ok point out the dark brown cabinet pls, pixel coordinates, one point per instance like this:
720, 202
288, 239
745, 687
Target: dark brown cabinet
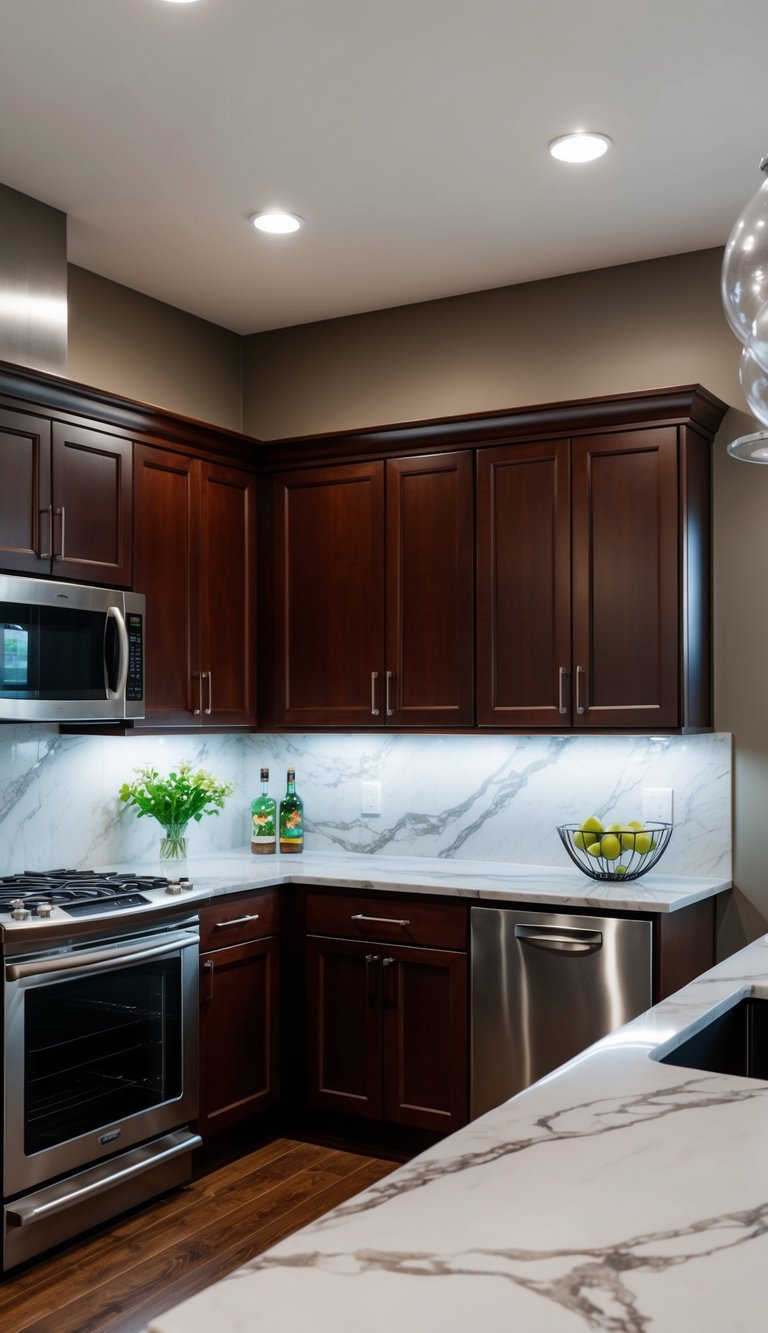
65, 500
387, 1022
239, 1010
195, 560
592, 603
374, 593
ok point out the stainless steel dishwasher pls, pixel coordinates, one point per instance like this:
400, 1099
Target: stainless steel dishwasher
545, 985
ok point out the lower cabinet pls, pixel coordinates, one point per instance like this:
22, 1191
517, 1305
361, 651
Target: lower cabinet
239, 1010
387, 1026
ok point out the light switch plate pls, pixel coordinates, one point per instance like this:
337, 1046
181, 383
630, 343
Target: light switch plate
370, 798
658, 804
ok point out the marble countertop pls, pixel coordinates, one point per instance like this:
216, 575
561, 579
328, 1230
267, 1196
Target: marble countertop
565, 886
618, 1194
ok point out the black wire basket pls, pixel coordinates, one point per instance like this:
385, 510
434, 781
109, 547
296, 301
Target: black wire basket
616, 856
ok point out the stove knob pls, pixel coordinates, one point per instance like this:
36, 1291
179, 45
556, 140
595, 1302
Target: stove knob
173, 886
16, 902
187, 884
20, 913
44, 909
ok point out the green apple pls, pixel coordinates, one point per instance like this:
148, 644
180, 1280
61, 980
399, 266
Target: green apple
642, 843
593, 849
580, 839
620, 870
592, 825
611, 847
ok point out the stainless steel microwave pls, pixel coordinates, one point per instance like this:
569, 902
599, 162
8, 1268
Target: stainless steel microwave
70, 653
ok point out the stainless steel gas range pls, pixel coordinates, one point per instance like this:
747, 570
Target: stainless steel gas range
99, 1052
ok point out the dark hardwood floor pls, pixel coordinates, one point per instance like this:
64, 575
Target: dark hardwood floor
131, 1270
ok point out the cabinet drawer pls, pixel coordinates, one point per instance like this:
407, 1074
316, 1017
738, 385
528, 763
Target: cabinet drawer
391, 920
251, 916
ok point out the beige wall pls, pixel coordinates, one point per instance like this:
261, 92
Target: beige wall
130, 344
615, 330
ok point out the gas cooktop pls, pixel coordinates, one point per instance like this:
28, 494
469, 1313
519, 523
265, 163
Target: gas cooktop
79, 892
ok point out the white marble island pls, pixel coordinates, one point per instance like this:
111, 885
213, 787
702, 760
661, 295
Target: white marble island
618, 1194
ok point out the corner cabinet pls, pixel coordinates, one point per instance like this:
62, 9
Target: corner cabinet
65, 500
593, 558
373, 578
195, 559
387, 1010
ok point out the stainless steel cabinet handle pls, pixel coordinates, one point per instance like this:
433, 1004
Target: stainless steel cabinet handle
379, 920
209, 709
23, 1213
563, 939
579, 704
197, 675
562, 673
59, 555
374, 678
46, 555
390, 711
236, 921
209, 968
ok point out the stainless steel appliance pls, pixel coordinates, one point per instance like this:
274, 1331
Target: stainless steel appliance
544, 987
100, 1050
70, 652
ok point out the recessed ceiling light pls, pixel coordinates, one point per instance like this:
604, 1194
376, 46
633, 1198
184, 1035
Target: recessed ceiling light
181, 2
275, 221
579, 147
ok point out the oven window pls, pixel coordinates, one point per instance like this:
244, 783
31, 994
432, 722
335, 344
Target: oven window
51, 652
100, 1048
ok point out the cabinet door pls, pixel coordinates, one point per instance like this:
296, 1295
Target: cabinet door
228, 595
238, 1032
344, 1026
25, 493
329, 596
91, 506
425, 1053
430, 604
524, 585
625, 579
166, 506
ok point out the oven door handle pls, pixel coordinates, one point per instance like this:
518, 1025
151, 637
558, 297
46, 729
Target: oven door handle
102, 960
21, 1214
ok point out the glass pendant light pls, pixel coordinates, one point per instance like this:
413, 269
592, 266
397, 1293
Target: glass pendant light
745, 301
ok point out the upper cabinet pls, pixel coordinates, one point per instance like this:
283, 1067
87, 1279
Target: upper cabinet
195, 561
373, 593
594, 582
65, 500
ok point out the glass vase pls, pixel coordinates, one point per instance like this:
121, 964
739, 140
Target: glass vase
173, 844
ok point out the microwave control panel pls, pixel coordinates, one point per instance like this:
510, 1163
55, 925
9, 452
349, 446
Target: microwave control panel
134, 686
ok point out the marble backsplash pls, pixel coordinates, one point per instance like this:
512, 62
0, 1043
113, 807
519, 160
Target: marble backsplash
490, 798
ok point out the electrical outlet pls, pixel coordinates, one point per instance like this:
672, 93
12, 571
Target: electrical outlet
370, 798
657, 804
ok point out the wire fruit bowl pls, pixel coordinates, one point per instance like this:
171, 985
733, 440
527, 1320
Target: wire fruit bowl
618, 856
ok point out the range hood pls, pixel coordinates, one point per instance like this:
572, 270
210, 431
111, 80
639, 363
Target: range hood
33, 283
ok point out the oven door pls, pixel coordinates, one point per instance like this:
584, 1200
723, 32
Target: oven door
100, 1051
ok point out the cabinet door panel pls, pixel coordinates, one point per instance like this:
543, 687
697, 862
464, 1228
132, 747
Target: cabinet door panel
238, 1032
523, 585
25, 493
167, 572
625, 581
430, 600
92, 506
344, 1027
227, 592
425, 1038
329, 595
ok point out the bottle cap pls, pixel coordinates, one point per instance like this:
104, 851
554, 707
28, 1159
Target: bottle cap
291, 774
265, 775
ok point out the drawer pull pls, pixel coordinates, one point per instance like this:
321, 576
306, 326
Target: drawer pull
236, 921
379, 920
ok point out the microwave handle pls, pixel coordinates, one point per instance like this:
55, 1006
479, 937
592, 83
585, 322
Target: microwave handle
114, 613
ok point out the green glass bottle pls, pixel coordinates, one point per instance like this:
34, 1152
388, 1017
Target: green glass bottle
263, 812
291, 818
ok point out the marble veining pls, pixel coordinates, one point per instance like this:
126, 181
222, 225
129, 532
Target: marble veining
618, 1194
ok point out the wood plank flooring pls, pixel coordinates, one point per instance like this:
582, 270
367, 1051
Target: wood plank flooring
130, 1270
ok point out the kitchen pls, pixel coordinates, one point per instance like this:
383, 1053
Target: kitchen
69, 783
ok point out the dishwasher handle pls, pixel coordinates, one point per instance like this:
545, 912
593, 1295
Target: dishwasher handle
560, 939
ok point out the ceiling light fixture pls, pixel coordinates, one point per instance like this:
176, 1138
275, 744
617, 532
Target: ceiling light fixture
745, 301
181, 2
276, 222
579, 147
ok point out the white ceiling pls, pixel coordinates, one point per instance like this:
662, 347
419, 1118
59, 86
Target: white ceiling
410, 134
